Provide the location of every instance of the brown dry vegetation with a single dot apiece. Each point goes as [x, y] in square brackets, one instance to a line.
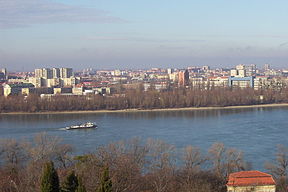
[151, 99]
[134, 166]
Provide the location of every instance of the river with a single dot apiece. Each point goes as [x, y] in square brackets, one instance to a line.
[255, 131]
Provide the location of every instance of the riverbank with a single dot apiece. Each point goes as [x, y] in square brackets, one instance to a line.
[156, 110]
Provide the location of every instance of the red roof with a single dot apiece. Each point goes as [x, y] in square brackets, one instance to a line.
[250, 178]
[218, 77]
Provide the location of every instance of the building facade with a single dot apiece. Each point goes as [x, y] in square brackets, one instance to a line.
[183, 78]
[241, 82]
[15, 89]
[3, 74]
[54, 77]
[66, 72]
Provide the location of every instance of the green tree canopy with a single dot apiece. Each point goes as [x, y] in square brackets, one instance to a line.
[106, 183]
[71, 183]
[50, 179]
[81, 187]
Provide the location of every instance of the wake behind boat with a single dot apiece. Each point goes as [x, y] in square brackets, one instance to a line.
[87, 125]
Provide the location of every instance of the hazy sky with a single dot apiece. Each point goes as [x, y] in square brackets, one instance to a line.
[142, 34]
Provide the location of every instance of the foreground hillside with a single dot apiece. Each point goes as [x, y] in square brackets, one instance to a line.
[125, 166]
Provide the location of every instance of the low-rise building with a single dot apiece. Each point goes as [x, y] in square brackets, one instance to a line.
[77, 90]
[248, 181]
[18, 81]
[62, 90]
[241, 82]
[173, 76]
[155, 85]
[103, 90]
[218, 81]
[36, 91]
[261, 82]
[197, 82]
[71, 81]
[15, 89]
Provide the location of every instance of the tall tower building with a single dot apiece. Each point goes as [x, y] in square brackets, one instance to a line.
[234, 72]
[38, 73]
[251, 70]
[66, 72]
[240, 67]
[44, 73]
[170, 71]
[206, 68]
[266, 67]
[183, 78]
[240, 71]
[4, 73]
[56, 73]
[47, 73]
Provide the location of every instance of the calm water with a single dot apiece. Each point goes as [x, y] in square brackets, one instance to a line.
[254, 131]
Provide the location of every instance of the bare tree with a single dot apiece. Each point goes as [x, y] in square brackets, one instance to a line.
[193, 158]
[13, 152]
[161, 164]
[217, 156]
[226, 161]
[46, 147]
[235, 161]
[126, 160]
[279, 168]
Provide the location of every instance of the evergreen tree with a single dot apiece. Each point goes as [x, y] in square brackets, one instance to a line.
[49, 180]
[81, 187]
[71, 183]
[106, 183]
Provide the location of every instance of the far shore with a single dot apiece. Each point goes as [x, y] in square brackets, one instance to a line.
[154, 110]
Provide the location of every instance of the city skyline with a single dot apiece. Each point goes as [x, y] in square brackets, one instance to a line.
[89, 68]
[129, 34]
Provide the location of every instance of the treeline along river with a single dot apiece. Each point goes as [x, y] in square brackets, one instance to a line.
[255, 131]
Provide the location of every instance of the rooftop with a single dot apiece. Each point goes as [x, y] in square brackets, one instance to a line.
[21, 85]
[250, 178]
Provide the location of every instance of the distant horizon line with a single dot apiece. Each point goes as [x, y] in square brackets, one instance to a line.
[145, 68]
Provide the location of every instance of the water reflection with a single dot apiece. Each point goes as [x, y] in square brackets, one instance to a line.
[59, 117]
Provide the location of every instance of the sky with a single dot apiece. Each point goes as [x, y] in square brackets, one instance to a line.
[122, 34]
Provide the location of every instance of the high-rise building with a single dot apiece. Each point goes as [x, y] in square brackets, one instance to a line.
[66, 72]
[266, 67]
[116, 73]
[183, 78]
[47, 77]
[251, 70]
[56, 72]
[206, 68]
[44, 73]
[3, 74]
[4, 70]
[38, 73]
[47, 73]
[170, 71]
[240, 67]
[234, 72]
[240, 71]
